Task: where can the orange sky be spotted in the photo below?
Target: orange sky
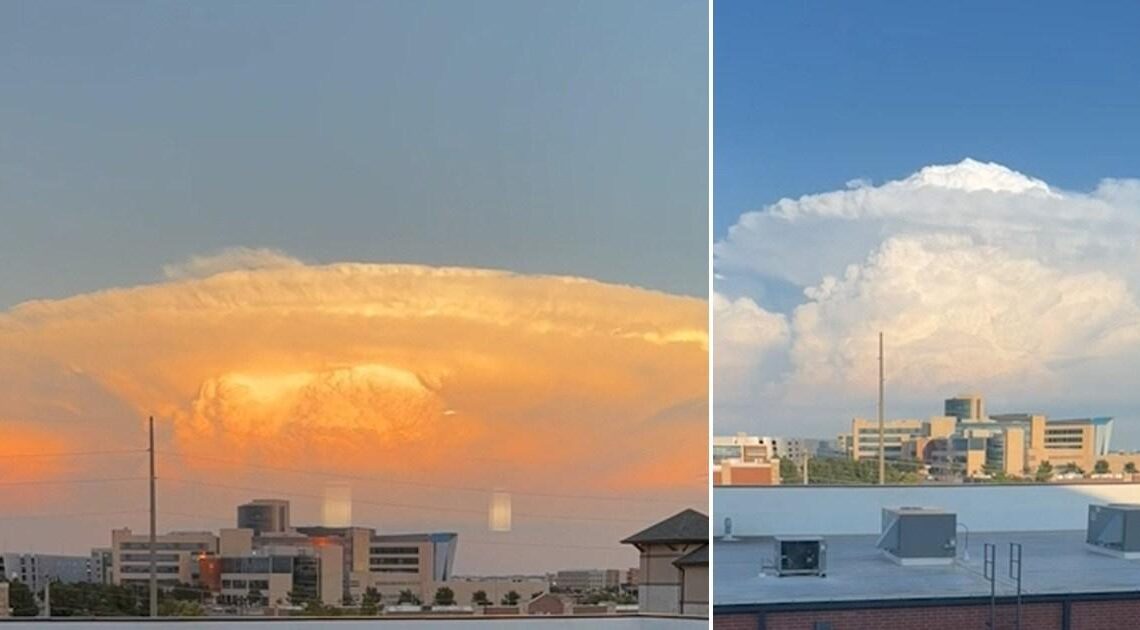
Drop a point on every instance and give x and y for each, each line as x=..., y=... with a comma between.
x=421, y=384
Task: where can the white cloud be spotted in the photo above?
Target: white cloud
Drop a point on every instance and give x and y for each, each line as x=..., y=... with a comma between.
x=230, y=259
x=982, y=277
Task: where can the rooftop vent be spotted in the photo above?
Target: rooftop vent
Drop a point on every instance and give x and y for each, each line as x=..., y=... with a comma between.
x=1115, y=529
x=919, y=536
x=800, y=555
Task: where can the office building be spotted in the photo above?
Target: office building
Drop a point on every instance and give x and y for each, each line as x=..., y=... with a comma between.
x=283, y=575
x=743, y=447
x=966, y=407
x=673, y=579
x=36, y=569
x=264, y=516
x=101, y=565
x=864, y=436
x=176, y=556
x=583, y=580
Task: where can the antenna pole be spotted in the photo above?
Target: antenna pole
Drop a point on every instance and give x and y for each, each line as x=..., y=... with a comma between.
x=882, y=431
x=153, y=523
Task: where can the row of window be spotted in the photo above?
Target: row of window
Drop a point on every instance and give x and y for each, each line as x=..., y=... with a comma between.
x=405, y=561
x=167, y=546
x=395, y=550
x=145, y=557
x=261, y=585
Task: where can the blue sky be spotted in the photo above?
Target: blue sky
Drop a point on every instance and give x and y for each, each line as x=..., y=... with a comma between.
x=809, y=95
x=565, y=138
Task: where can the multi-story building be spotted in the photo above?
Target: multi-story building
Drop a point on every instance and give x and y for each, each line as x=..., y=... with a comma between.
x=101, y=565
x=582, y=580
x=176, y=556
x=673, y=578
x=264, y=516
x=743, y=447
x=753, y=448
x=731, y=472
x=864, y=436
x=966, y=407
x=284, y=575
x=1017, y=444
x=418, y=562
x=35, y=569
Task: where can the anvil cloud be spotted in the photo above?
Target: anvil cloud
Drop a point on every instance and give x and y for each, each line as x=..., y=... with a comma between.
x=982, y=277
x=438, y=375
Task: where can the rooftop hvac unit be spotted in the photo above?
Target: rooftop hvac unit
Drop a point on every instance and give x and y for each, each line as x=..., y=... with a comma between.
x=800, y=555
x=919, y=536
x=1115, y=529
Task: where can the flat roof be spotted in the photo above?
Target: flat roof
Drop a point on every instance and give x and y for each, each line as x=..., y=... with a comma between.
x=1053, y=563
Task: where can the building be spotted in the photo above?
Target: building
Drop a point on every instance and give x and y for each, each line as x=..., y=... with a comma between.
x=743, y=447
x=694, y=567
x=583, y=580
x=264, y=516
x=966, y=407
x=176, y=556
x=101, y=565
x=4, y=605
x=757, y=448
x=284, y=576
x=36, y=569
x=731, y=472
x=1066, y=582
x=547, y=604
x=661, y=587
x=864, y=436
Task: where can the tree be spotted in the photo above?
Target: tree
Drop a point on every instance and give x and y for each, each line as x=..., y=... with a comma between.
x=1101, y=467
x=479, y=598
x=1071, y=468
x=21, y=600
x=1044, y=472
x=408, y=597
x=180, y=608
x=444, y=596
x=1130, y=468
x=370, y=602
x=511, y=599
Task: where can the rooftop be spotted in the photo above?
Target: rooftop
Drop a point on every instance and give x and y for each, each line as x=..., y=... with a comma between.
x=1054, y=563
x=686, y=526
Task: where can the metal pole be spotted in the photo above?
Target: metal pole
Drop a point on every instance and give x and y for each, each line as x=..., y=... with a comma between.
x=991, y=575
x=153, y=526
x=1015, y=574
x=882, y=431
x=805, y=458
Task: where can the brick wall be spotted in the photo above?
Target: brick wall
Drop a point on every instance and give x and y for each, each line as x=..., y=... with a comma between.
x=1088, y=615
x=1105, y=615
x=735, y=622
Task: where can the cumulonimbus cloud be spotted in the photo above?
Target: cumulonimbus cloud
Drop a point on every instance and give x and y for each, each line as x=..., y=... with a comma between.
x=981, y=276
x=434, y=373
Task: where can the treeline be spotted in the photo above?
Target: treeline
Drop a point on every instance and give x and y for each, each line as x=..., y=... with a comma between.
x=846, y=471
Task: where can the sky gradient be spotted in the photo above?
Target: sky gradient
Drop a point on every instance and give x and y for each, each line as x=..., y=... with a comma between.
x=562, y=138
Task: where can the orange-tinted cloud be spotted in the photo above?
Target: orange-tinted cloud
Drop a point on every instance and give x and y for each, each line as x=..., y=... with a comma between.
x=435, y=373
